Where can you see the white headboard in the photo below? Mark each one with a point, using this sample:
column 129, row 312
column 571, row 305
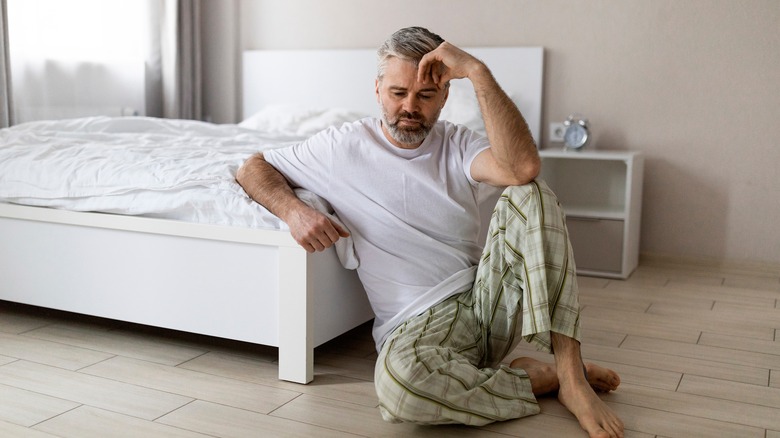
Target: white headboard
column 345, row 79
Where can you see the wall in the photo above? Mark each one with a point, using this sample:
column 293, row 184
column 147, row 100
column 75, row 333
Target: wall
column 694, row 85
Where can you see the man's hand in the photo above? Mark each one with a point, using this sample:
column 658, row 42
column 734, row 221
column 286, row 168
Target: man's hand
column 447, row 62
column 512, row 158
column 309, row 227
column 313, row 230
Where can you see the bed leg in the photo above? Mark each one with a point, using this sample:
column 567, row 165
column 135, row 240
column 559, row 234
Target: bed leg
column 296, row 351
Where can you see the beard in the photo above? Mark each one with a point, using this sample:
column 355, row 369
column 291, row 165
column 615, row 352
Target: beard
column 409, row 134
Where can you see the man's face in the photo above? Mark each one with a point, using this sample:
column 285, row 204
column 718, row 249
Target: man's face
column 409, row 108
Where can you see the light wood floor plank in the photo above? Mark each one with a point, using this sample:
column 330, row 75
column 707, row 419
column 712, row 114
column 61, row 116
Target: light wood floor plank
column 192, row 384
column 711, row 409
column 89, row 422
column 679, row 326
column 326, row 384
column 28, row 408
column 15, row 322
column 224, row 421
column 739, row 343
column 90, row 390
column 761, row 395
column 690, row 293
column 679, row 364
column 705, row 352
column 601, row 337
column 120, row 343
column 636, row 323
column 49, row 353
column 724, row 317
column 592, row 282
column 730, row 294
column 15, row 431
column 675, row 425
column 641, row 299
column 365, row 421
column 753, row 282
column 362, row 369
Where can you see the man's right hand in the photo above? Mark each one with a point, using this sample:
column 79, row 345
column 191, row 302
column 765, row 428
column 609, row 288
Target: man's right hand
column 313, row 230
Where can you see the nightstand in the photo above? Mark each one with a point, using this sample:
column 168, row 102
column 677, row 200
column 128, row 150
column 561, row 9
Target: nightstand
column 601, row 194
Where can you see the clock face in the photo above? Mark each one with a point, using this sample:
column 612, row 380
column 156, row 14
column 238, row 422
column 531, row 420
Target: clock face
column 576, row 136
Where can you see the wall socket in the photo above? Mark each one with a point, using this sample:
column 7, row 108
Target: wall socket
column 557, row 130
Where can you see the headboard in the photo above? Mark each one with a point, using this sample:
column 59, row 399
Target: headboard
column 345, row 79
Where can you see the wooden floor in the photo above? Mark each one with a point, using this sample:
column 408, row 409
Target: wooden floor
column 698, row 350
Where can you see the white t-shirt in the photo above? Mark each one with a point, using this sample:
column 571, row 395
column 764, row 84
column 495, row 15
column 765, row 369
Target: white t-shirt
column 413, row 213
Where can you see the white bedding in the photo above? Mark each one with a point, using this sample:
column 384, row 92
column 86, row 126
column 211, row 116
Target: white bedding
column 162, row 168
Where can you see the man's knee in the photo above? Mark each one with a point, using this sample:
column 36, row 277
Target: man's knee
column 393, row 388
column 536, row 189
column 405, row 379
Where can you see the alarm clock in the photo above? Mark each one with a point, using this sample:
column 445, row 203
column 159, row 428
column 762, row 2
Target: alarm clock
column 576, row 132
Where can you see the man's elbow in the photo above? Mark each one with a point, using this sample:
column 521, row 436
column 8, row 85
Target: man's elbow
column 245, row 172
column 527, row 171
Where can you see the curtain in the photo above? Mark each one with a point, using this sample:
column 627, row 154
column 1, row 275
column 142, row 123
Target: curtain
column 178, row 93
column 6, row 107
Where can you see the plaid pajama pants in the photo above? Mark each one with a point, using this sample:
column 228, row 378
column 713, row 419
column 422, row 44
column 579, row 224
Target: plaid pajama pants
column 442, row 366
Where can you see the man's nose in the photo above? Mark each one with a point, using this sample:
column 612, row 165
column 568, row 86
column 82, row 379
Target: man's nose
column 411, row 104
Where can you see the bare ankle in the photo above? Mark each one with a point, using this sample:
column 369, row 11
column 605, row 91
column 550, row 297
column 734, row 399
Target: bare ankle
column 543, row 376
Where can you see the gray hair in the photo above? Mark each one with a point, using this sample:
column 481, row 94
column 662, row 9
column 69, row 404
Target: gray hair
column 409, row 44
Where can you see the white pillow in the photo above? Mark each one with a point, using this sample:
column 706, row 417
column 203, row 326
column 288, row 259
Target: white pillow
column 462, row 107
column 293, row 119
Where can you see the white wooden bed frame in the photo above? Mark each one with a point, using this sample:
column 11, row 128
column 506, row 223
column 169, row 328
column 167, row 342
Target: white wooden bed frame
column 249, row 285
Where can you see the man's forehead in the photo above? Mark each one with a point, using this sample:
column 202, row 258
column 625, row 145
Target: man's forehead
column 402, row 73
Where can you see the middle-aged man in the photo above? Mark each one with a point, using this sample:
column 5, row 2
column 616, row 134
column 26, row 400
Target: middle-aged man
column 448, row 308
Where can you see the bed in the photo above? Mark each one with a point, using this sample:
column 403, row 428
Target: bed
column 187, row 250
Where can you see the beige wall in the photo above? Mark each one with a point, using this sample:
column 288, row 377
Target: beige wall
column 693, row 84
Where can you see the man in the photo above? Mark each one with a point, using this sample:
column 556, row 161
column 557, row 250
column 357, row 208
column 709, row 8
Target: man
column 447, row 310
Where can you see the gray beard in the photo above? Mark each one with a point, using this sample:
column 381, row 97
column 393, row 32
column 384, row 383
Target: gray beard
column 408, row 135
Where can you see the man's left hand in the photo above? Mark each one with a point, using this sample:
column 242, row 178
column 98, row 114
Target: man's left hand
column 445, row 63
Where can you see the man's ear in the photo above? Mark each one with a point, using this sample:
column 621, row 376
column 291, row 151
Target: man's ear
column 376, row 89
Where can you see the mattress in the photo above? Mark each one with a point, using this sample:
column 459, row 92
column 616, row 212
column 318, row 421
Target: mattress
column 162, row 168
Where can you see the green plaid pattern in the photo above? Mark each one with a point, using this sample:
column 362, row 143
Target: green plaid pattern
column 442, row 366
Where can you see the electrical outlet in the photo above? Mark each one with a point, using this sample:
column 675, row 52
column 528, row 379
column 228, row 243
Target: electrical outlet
column 556, row 132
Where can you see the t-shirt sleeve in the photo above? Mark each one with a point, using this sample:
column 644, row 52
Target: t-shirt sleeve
column 472, row 144
column 308, row 164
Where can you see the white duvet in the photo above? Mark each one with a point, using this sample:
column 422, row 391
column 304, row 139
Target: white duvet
column 163, row 168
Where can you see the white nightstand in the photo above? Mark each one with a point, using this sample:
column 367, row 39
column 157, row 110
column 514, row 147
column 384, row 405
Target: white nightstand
column 601, row 194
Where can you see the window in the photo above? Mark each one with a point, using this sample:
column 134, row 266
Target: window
column 79, row 57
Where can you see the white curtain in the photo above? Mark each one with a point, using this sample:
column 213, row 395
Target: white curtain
column 6, row 106
column 105, row 57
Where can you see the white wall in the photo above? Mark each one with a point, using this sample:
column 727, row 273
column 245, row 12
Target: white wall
column 692, row 84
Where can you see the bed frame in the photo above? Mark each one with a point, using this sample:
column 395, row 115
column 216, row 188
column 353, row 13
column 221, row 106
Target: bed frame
column 249, row 285
column 244, row 284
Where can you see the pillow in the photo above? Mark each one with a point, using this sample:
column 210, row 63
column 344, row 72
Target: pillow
column 462, row 107
column 299, row 120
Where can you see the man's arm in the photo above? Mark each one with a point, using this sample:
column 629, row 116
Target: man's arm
column 309, row 227
column 513, row 158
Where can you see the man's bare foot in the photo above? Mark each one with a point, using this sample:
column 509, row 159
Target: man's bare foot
column 601, row 379
column 544, row 376
column 577, row 394
column 593, row 414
